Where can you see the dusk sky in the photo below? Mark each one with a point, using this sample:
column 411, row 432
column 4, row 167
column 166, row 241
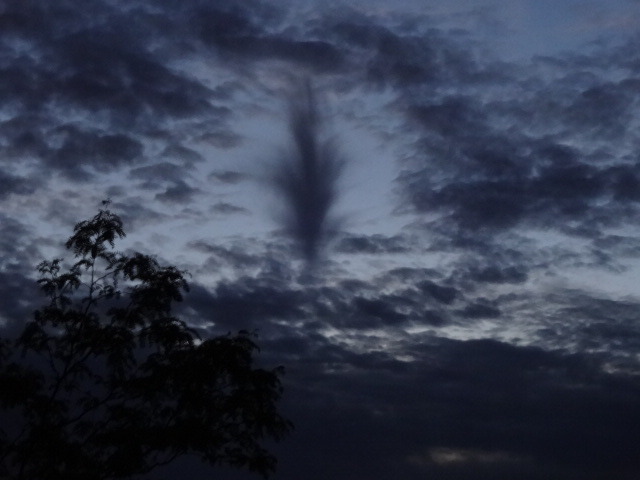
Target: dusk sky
column 454, row 289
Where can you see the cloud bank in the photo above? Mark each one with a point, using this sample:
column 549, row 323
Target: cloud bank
column 483, row 323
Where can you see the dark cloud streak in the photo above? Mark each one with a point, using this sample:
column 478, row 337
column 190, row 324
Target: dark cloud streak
column 306, row 178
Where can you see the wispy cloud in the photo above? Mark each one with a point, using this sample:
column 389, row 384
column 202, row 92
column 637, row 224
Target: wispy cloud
column 306, row 176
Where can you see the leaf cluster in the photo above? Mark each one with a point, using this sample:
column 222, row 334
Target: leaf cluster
column 106, row 382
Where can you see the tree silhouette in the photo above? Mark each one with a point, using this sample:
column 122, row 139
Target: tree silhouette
column 106, row 382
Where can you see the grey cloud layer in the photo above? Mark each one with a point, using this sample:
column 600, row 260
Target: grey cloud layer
column 509, row 175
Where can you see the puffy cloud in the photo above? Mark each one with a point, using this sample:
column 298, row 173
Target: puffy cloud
column 462, row 337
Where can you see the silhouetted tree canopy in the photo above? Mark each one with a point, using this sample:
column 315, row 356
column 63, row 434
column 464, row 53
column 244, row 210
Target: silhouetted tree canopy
column 106, row 382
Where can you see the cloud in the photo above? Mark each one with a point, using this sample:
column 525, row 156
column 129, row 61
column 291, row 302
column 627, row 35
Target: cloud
column 449, row 456
column 252, row 300
column 507, row 392
column 19, row 254
column 159, row 172
column 372, row 244
column 440, row 293
column 228, row 209
column 465, row 335
column 13, row 184
column 179, row 152
column 497, row 178
column 234, row 31
column 480, row 310
column 81, row 148
column 306, row 177
column 228, row 176
column 178, row 192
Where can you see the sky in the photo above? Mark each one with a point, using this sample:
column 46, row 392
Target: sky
column 428, row 210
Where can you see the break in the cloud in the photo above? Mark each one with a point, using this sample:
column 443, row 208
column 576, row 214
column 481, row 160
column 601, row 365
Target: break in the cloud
column 478, row 313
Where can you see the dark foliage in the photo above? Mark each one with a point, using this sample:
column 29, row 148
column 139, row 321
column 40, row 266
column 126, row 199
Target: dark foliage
column 106, row 382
